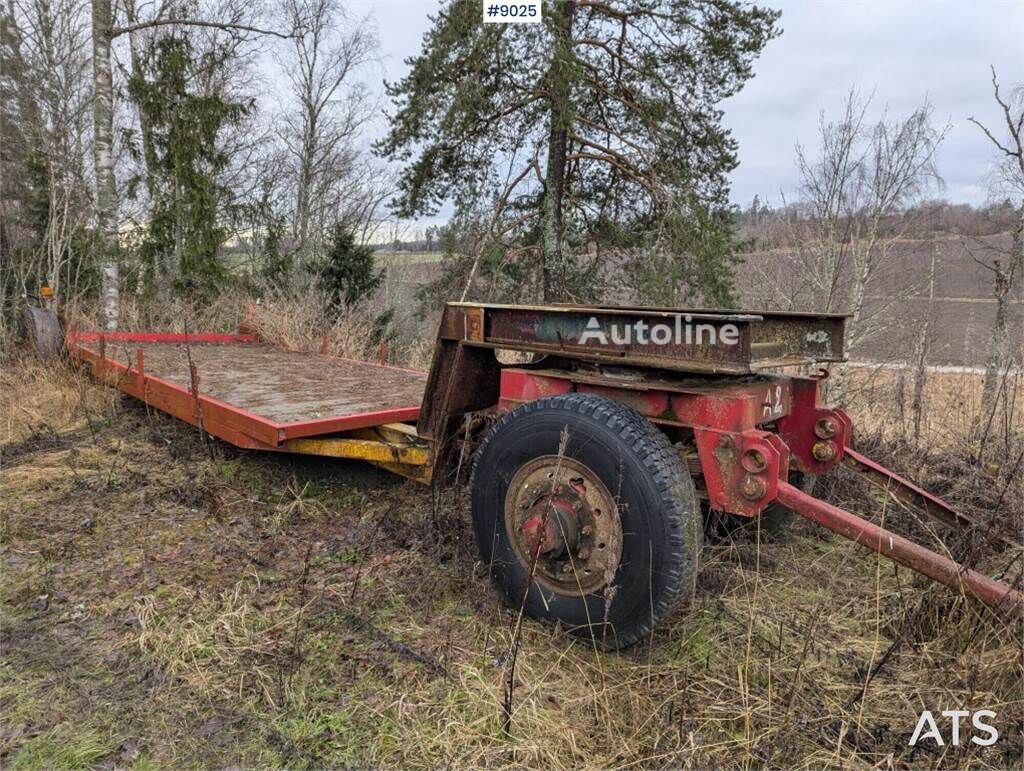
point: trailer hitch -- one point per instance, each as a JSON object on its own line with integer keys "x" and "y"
{"x": 908, "y": 493}
{"x": 993, "y": 593}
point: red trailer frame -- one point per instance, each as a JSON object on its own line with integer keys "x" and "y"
{"x": 221, "y": 419}
{"x": 747, "y": 428}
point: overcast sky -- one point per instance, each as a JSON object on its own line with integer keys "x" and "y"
{"x": 903, "y": 50}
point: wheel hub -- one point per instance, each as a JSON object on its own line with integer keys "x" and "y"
{"x": 559, "y": 513}
{"x": 552, "y": 528}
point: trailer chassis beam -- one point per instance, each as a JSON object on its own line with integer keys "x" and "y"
{"x": 993, "y": 593}
{"x": 394, "y": 447}
{"x": 909, "y": 494}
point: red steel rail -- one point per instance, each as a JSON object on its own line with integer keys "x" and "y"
{"x": 993, "y": 593}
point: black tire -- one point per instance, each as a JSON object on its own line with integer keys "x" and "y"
{"x": 774, "y": 520}
{"x": 41, "y": 332}
{"x": 654, "y": 494}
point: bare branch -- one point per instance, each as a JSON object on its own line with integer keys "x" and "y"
{"x": 118, "y": 31}
{"x": 994, "y": 141}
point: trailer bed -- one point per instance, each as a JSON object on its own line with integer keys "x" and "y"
{"x": 242, "y": 386}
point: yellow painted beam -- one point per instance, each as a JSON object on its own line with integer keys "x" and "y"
{"x": 397, "y": 431}
{"x": 421, "y": 474}
{"x": 362, "y": 449}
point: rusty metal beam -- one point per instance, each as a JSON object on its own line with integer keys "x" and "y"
{"x": 909, "y": 494}
{"x": 995, "y": 594}
{"x": 761, "y": 340}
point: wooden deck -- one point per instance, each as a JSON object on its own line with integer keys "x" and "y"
{"x": 285, "y": 394}
{"x": 284, "y": 386}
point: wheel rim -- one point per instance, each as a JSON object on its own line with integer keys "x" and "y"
{"x": 558, "y": 510}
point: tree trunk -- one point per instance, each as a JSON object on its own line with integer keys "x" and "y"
{"x": 103, "y": 159}
{"x": 145, "y": 131}
{"x": 1002, "y": 289}
{"x": 864, "y": 261}
{"x": 921, "y": 354}
{"x": 997, "y": 344}
{"x": 552, "y": 265}
{"x": 302, "y": 204}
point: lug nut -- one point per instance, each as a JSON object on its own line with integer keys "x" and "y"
{"x": 752, "y": 488}
{"x": 823, "y": 452}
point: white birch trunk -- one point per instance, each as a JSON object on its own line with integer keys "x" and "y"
{"x": 103, "y": 159}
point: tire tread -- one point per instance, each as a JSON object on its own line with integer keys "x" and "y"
{"x": 678, "y": 496}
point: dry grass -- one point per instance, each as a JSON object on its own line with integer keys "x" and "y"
{"x": 951, "y": 413}
{"x": 39, "y": 398}
{"x": 299, "y": 323}
{"x": 269, "y": 612}
{"x": 761, "y": 670}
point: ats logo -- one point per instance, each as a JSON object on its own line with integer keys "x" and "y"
{"x": 927, "y": 728}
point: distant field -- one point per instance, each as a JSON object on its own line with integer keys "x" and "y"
{"x": 405, "y": 258}
{"x": 962, "y": 310}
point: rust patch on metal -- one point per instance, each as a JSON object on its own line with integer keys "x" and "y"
{"x": 558, "y": 512}
{"x": 475, "y": 324}
{"x": 763, "y": 340}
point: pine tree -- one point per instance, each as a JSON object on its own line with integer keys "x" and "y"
{"x": 348, "y": 274}
{"x": 186, "y": 121}
{"x": 599, "y": 126}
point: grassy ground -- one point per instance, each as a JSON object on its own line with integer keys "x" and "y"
{"x": 172, "y": 602}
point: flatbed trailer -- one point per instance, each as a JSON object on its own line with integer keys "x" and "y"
{"x": 591, "y": 485}
{"x": 263, "y": 397}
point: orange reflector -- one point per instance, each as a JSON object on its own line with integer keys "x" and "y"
{"x": 45, "y": 291}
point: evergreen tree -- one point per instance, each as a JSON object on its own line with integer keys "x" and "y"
{"x": 348, "y": 275}
{"x": 599, "y": 125}
{"x": 186, "y": 116}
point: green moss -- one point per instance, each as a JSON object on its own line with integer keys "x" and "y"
{"x": 697, "y": 647}
{"x": 329, "y": 735}
{"x": 696, "y": 642}
{"x": 144, "y": 763}
{"x": 352, "y": 555}
{"x": 17, "y": 705}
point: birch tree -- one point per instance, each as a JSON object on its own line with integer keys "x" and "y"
{"x": 103, "y": 159}
{"x": 45, "y": 54}
{"x": 322, "y": 65}
{"x": 233, "y": 20}
{"x": 1007, "y": 180}
{"x": 863, "y": 175}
